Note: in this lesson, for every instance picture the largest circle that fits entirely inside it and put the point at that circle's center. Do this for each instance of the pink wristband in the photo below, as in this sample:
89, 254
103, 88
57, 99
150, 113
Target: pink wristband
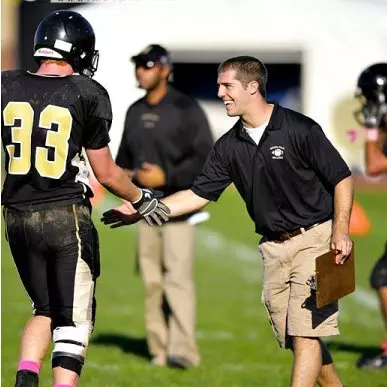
372, 135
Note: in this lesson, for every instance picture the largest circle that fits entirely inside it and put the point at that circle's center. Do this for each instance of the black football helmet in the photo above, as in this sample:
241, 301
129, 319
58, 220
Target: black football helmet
67, 35
372, 92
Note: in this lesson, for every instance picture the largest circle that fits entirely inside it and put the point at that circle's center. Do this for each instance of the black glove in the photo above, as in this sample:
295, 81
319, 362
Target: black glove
151, 208
118, 219
374, 114
148, 208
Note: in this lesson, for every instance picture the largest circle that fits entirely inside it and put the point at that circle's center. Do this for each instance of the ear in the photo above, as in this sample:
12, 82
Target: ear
252, 87
166, 72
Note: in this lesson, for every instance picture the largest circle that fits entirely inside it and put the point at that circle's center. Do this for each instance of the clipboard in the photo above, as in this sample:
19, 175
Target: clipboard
334, 281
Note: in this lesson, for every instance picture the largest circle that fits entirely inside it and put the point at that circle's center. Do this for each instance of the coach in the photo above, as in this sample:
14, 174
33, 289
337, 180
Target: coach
165, 143
298, 191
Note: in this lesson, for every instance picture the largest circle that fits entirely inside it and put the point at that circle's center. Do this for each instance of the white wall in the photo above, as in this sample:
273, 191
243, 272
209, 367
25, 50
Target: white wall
338, 38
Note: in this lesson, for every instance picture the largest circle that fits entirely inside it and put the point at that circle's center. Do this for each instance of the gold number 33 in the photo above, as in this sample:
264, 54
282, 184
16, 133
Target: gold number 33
21, 165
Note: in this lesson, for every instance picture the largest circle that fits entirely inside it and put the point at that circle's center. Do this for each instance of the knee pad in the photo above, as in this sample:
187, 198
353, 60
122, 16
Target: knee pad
378, 277
70, 345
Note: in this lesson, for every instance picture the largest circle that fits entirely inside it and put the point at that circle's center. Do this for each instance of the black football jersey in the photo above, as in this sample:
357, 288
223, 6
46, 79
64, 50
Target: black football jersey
45, 123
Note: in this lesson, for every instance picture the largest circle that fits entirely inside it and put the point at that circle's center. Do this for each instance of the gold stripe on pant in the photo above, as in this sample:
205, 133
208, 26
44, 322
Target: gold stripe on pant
166, 260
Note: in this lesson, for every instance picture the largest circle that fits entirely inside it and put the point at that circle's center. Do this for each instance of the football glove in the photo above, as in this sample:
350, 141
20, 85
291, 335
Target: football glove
151, 208
148, 207
116, 218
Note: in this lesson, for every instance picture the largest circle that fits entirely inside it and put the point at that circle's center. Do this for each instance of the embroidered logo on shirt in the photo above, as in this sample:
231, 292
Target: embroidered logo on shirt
277, 152
149, 120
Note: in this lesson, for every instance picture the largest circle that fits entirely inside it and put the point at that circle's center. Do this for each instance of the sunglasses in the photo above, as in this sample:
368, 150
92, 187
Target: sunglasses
147, 66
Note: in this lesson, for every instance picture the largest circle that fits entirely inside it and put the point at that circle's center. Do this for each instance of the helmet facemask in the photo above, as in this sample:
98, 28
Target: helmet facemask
87, 64
373, 110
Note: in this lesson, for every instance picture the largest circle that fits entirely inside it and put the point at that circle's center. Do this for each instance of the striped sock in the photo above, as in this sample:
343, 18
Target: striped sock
29, 366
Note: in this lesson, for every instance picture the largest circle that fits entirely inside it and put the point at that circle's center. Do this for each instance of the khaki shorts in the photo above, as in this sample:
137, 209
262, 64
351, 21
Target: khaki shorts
289, 272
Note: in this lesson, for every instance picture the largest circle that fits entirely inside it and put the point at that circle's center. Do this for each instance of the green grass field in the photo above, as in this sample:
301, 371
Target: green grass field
234, 336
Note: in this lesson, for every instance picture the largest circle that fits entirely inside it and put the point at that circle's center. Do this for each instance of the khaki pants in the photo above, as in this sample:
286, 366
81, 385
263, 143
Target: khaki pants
288, 295
166, 255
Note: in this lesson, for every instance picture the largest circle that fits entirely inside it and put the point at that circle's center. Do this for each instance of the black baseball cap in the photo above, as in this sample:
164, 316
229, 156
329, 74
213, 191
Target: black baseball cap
151, 55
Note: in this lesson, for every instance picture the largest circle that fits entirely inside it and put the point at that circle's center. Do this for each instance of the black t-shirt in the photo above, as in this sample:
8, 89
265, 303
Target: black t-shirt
46, 120
287, 180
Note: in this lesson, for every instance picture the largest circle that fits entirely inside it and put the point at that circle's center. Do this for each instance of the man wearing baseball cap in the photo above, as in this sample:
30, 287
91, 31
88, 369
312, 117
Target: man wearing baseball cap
152, 55
165, 143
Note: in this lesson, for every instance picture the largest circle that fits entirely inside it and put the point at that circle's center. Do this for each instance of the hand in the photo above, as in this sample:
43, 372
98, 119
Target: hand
121, 216
148, 207
151, 175
343, 246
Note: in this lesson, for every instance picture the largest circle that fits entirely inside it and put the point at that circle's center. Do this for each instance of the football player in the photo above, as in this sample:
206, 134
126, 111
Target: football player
48, 117
372, 91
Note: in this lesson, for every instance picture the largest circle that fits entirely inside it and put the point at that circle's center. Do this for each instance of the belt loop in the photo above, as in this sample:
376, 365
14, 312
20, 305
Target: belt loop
302, 230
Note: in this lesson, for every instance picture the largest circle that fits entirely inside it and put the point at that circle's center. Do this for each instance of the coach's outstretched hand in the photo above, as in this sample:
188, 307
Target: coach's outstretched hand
148, 207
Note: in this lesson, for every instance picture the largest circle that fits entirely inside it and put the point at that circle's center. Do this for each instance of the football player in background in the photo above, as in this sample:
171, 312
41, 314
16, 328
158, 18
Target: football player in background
372, 90
48, 117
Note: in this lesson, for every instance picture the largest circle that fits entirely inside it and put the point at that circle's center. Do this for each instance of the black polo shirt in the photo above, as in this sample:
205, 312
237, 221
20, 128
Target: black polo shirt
287, 180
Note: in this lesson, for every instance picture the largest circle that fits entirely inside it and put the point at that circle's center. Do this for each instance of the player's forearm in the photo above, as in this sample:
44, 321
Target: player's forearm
343, 200
118, 183
184, 202
111, 176
130, 173
376, 161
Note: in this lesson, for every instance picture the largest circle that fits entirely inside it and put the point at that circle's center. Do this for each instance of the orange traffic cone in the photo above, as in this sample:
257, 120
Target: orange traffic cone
360, 224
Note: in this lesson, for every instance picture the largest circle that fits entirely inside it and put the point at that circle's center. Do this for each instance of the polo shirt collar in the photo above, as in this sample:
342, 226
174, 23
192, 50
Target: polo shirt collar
275, 121
276, 117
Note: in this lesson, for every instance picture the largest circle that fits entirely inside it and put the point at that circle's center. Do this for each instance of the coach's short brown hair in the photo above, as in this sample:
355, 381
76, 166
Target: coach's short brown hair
247, 69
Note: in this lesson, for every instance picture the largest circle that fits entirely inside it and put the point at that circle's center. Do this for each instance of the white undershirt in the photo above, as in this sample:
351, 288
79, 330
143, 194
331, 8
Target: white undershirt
256, 133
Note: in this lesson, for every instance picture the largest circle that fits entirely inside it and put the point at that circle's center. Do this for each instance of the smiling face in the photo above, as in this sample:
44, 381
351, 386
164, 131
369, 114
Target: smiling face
234, 94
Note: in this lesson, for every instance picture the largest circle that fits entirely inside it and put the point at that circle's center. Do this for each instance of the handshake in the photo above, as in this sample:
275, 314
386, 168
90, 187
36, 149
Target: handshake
148, 207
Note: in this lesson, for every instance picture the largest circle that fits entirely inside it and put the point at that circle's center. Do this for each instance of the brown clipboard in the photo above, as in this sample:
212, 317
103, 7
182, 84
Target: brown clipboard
334, 281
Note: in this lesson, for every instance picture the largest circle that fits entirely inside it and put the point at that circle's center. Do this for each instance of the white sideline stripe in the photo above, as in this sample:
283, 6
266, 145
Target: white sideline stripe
212, 241
366, 298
